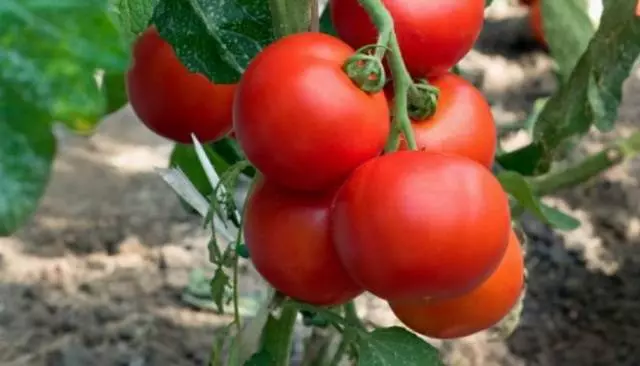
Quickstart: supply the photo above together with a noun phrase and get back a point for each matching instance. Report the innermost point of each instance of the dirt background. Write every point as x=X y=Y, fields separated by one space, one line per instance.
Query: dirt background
x=95 y=277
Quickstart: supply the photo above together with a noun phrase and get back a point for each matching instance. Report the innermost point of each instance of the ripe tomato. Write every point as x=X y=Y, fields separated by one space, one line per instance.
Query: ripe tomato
x=420 y=224
x=535 y=21
x=472 y=312
x=172 y=101
x=462 y=125
x=433 y=35
x=300 y=119
x=287 y=235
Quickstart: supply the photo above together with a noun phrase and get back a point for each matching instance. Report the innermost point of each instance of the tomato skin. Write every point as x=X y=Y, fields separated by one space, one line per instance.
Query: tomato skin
x=300 y=119
x=433 y=35
x=535 y=22
x=172 y=101
x=420 y=224
x=287 y=235
x=462 y=125
x=474 y=311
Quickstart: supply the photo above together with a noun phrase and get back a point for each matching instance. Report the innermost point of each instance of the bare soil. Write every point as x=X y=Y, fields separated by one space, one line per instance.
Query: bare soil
x=95 y=277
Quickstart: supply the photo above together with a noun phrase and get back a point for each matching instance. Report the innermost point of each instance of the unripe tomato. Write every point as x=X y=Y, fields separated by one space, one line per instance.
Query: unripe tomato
x=172 y=101
x=433 y=35
x=300 y=119
x=420 y=224
x=472 y=312
x=462 y=125
x=287 y=235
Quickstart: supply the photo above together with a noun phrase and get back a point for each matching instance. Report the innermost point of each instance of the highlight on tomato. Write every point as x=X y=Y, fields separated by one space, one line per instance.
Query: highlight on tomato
x=462 y=124
x=300 y=119
x=477 y=310
x=287 y=235
x=433 y=35
x=172 y=101
x=420 y=224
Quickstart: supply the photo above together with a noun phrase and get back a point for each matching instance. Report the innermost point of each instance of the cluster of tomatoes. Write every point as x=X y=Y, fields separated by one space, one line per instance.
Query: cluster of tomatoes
x=331 y=214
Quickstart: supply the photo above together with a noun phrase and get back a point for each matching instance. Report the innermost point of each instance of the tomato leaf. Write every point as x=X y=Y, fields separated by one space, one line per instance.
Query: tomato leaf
x=27 y=149
x=50 y=52
x=395 y=346
x=326 y=24
x=217 y=38
x=518 y=187
x=487 y=3
x=219 y=285
x=133 y=15
x=568 y=30
x=113 y=87
x=262 y=358
x=593 y=92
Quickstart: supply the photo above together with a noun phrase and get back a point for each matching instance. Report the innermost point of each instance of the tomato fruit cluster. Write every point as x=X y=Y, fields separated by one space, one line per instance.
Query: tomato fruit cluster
x=331 y=214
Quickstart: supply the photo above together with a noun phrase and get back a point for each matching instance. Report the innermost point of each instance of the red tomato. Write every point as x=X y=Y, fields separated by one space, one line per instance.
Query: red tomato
x=420 y=224
x=300 y=120
x=535 y=21
x=433 y=35
x=172 y=101
x=472 y=312
x=287 y=235
x=462 y=125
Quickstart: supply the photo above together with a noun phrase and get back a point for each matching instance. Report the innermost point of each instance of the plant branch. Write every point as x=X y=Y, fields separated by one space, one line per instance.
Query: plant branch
x=588 y=168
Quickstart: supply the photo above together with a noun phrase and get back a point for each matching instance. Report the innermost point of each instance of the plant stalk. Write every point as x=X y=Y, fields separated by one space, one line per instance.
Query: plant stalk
x=588 y=168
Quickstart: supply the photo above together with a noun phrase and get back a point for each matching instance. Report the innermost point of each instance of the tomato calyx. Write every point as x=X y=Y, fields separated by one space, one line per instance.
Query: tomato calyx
x=366 y=69
x=422 y=100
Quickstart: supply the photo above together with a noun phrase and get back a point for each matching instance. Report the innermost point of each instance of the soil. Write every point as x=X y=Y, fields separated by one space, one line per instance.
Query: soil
x=96 y=276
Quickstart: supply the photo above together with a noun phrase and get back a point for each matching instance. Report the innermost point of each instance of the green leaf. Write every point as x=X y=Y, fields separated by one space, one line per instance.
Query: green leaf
x=518 y=187
x=50 y=52
x=27 y=149
x=113 y=86
x=219 y=284
x=217 y=38
x=133 y=16
x=396 y=346
x=487 y=3
x=568 y=30
x=262 y=358
x=562 y=220
x=326 y=24
x=594 y=90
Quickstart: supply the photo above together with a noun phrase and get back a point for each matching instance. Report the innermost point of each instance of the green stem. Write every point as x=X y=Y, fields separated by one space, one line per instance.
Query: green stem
x=403 y=83
x=351 y=314
x=281 y=350
x=588 y=168
x=347 y=338
x=290 y=16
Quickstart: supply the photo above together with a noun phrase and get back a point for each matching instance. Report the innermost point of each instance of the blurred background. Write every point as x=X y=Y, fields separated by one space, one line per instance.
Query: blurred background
x=97 y=275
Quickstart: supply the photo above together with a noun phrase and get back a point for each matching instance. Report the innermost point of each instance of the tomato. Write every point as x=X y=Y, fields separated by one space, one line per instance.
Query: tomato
x=433 y=35
x=300 y=119
x=462 y=125
x=535 y=21
x=287 y=235
x=415 y=224
x=170 y=100
x=472 y=312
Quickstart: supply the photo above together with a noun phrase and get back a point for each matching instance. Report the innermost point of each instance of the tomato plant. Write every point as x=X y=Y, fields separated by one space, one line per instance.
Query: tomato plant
x=172 y=101
x=392 y=223
x=462 y=124
x=335 y=208
x=279 y=99
x=287 y=234
x=433 y=35
x=476 y=310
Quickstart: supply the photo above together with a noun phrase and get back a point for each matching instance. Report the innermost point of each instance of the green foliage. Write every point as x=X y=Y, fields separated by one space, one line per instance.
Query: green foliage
x=568 y=30
x=113 y=87
x=217 y=38
x=395 y=346
x=133 y=16
x=591 y=94
x=50 y=54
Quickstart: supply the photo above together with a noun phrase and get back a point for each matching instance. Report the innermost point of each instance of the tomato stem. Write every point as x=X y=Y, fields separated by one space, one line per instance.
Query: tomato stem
x=404 y=87
x=588 y=168
x=290 y=16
